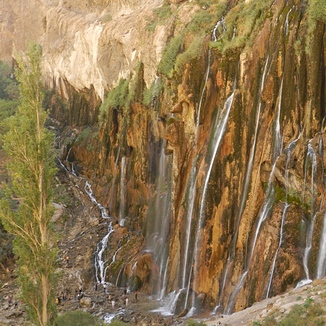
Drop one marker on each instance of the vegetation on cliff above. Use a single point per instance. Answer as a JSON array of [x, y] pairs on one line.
[[8, 104], [27, 209]]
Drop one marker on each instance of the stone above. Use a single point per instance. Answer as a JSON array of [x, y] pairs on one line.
[[85, 302]]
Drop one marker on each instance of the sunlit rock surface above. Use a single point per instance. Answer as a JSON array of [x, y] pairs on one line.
[[220, 178]]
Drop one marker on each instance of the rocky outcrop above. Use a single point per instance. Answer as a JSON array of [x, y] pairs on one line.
[[213, 158], [103, 41]]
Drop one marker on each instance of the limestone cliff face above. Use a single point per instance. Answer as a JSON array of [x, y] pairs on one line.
[[102, 40], [221, 171]]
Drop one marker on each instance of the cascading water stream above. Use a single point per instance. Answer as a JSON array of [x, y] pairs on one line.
[[191, 193], [216, 138], [310, 159], [286, 206], [159, 227], [288, 152], [321, 261], [100, 269], [191, 188], [244, 191], [268, 202], [269, 198], [122, 191]]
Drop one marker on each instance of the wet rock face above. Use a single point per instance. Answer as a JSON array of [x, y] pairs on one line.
[[216, 187], [226, 174]]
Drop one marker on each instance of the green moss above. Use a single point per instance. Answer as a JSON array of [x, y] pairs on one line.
[[77, 318], [166, 64], [192, 322], [152, 92], [242, 23], [160, 16], [193, 52]]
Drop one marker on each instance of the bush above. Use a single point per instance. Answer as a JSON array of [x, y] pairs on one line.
[[193, 52], [192, 322], [161, 14], [116, 322], [168, 58], [242, 23], [77, 318], [116, 98], [317, 10]]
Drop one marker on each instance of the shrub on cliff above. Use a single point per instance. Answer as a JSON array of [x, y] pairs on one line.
[[192, 322], [76, 318], [317, 10]]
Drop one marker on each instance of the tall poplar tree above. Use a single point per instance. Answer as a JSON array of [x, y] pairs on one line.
[[27, 210]]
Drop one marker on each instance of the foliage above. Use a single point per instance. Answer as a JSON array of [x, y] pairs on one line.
[[201, 23], [123, 94], [5, 247], [26, 211], [192, 52], [8, 85], [115, 98], [317, 10], [76, 318], [307, 314], [316, 13], [8, 95], [241, 24], [166, 64], [116, 322], [161, 14], [192, 322], [153, 92]]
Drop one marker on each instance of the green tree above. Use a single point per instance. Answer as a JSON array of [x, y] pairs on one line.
[[77, 318], [27, 209]]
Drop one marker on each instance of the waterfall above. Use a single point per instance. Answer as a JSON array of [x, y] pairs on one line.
[[216, 138], [286, 24], [288, 152], [99, 264], [268, 204], [244, 192], [122, 191], [89, 192], [158, 230], [286, 206], [310, 158], [100, 269], [191, 188], [169, 304], [269, 197], [321, 261]]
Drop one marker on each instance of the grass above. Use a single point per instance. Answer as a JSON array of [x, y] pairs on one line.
[[307, 314], [192, 52], [166, 65], [242, 23]]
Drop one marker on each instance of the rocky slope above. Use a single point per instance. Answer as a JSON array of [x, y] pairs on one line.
[[207, 152]]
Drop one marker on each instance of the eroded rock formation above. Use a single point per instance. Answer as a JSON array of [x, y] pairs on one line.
[[219, 177]]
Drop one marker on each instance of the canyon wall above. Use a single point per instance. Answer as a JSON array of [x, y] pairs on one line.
[[210, 155]]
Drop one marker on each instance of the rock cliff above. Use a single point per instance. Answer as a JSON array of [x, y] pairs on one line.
[[200, 127]]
